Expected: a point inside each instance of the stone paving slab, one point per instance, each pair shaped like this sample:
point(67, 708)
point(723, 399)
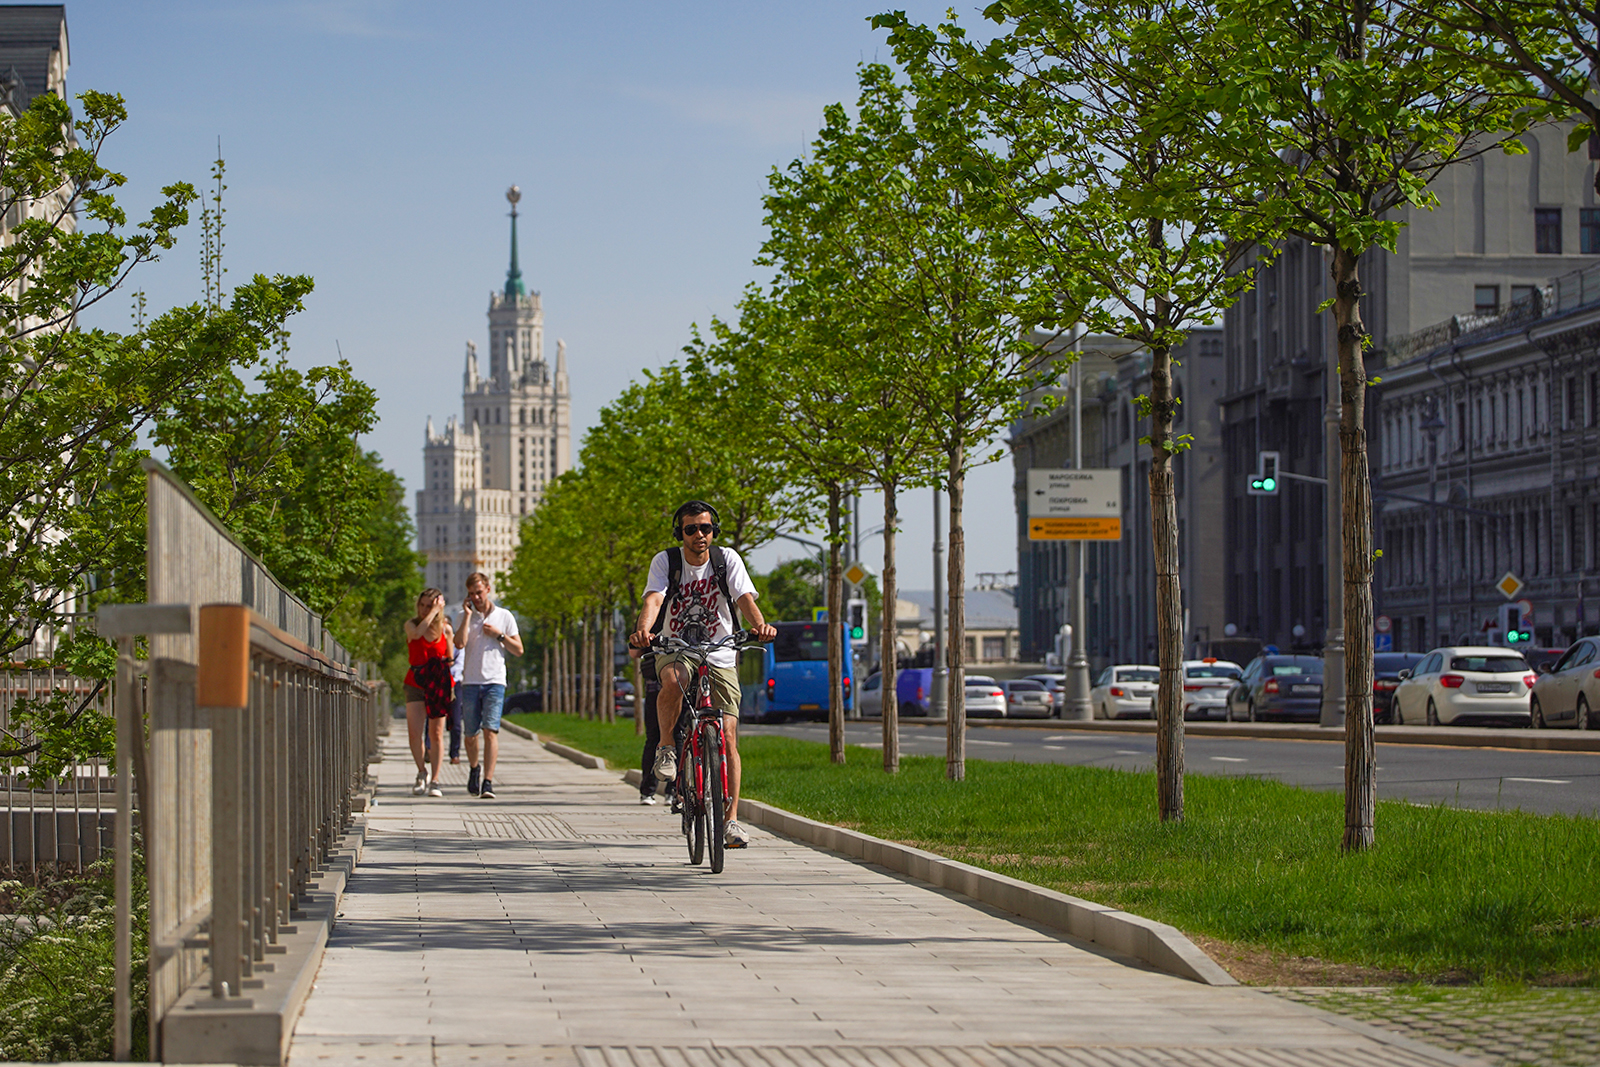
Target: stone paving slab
point(1510, 1027)
point(561, 923)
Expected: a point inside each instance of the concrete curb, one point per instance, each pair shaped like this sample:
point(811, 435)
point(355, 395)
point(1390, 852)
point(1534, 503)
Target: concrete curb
point(1161, 946)
point(582, 759)
point(1447, 736)
point(256, 1028)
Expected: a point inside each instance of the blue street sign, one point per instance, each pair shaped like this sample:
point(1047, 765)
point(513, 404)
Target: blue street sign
point(1383, 642)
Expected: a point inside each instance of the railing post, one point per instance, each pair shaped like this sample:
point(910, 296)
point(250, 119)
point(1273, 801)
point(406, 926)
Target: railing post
point(223, 687)
point(126, 711)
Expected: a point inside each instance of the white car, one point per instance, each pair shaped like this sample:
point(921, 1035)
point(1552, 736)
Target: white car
point(1568, 692)
point(985, 698)
point(1465, 684)
point(1206, 683)
point(1125, 691)
point(869, 698)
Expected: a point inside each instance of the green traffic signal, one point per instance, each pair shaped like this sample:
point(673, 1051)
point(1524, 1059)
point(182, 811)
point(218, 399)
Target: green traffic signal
point(1269, 484)
point(857, 633)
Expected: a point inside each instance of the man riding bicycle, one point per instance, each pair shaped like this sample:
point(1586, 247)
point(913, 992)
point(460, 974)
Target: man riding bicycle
point(697, 584)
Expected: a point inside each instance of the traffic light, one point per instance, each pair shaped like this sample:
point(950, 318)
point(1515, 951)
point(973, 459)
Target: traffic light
point(1512, 631)
point(1265, 480)
point(856, 613)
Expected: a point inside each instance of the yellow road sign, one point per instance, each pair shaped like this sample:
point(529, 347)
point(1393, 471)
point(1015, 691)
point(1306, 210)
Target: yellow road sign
point(1087, 529)
point(1509, 585)
point(855, 574)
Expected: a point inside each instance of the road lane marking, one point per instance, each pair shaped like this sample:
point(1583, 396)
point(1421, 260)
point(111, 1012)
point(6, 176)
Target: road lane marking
point(1129, 752)
point(1230, 759)
point(1542, 781)
point(979, 741)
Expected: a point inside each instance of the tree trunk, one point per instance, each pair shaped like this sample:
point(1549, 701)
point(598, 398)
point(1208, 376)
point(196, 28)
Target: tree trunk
point(955, 701)
point(835, 626)
point(886, 638)
point(544, 678)
point(1169, 593)
point(608, 699)
point(564, 670)
point(585, 666)
point(1355, 490)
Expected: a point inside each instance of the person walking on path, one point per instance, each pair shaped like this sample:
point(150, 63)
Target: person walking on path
point(697, 585)
point(485, 633)
point(429, 688)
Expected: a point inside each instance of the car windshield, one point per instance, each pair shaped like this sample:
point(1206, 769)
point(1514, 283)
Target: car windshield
point(1390, 662)
point(1295, 665)
point(1490, 664)
point(1137, 676)
point(1026, 687)
point(1211, 671)
point(979, 680)
point(801, 642)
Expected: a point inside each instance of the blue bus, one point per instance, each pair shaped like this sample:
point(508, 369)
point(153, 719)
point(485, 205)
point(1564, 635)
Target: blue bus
point(788, 679)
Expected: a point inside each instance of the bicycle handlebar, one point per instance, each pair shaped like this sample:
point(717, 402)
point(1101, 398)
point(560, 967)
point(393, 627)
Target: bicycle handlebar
point(737, 639)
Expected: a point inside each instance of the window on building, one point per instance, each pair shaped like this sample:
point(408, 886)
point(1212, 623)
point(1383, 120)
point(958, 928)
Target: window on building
point(1570, 416)
point(1589, 231)
point(1574, 539)
point(1485, 299)
point(1524, 294)
point(1461, 426)
point(1547, 231)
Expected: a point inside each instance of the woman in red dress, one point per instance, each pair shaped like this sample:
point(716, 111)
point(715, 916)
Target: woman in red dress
point(428, 685)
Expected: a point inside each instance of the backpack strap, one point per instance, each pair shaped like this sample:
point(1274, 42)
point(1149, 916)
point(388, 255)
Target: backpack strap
point(719, 567)
point(674, 579)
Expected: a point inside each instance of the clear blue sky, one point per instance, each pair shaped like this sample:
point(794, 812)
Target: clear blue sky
point(370, 143)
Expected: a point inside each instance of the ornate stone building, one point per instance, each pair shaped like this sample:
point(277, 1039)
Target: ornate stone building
point(489, 467)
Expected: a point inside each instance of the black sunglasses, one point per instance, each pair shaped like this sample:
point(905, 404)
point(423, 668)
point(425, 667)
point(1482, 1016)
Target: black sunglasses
point(702, 527)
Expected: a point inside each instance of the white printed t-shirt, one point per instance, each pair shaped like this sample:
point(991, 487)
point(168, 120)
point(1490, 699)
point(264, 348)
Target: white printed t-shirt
point(699, 602)
point(485, 662)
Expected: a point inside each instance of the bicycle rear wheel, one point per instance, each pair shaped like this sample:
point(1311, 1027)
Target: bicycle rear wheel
point(715, 801)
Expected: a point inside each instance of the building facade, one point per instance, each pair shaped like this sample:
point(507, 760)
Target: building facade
point(1497, 419)
point(1504, 225)
point(489, 468)
point(1119, 576)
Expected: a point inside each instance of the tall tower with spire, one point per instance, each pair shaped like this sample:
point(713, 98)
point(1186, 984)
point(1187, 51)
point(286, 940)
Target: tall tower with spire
point(487, 471)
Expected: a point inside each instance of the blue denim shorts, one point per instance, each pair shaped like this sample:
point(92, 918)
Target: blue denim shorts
point(480, 707)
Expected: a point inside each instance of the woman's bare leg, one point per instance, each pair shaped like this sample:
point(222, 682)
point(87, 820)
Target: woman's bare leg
point(436, 753)
point(416, 721)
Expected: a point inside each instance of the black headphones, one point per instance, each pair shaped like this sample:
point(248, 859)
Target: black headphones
point(694, 507)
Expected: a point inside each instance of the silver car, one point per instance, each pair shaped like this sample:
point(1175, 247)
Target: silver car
point(1206, 683)
point(1568, 691)
point(1026, 699)
point(1055, 685)
point(985, 699)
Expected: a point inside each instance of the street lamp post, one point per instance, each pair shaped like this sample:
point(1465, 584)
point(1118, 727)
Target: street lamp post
point(1431, 425)
point(1077, 705)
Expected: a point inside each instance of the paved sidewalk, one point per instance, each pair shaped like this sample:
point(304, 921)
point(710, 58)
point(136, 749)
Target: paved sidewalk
point(561, 923)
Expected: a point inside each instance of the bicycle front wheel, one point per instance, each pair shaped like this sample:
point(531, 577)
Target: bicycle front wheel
point(715, 801)
point(694, 802)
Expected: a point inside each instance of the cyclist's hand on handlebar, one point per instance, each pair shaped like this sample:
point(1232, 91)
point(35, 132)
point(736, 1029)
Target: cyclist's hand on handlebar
point(639, 639)
point(763, 633)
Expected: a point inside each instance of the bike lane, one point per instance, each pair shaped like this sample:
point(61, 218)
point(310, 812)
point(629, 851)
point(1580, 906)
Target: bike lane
point(561, 923)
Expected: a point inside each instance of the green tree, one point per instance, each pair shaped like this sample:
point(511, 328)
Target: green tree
point(1349, 110)
point(792, 588)
point(1143, 235)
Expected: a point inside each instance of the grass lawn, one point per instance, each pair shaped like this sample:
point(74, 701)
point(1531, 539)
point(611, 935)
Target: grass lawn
point(1447, 895)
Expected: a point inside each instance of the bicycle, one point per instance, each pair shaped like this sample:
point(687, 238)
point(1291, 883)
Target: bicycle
point(703, 751)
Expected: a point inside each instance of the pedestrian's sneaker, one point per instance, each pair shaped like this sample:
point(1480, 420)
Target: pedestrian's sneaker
point(666, 762)
point(472, 780)
point(734, 836)
point(434, 790)
point(677, 804)
point(420, 786)
point(487, 791)
point(647, 798)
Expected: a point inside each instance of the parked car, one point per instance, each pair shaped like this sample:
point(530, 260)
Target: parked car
point(1541, 657)
point(914, 688)
point(1568, 691)
point(622, 696)
point(528, 700)
point(985, 699)
point(1026, 698)
point(1124, 691)
point(1056, 686)
point(1386, 668)
point(869, 698)
point(1205, 687)
point(1465, 684)
point(1278, 686)
point(789, 677)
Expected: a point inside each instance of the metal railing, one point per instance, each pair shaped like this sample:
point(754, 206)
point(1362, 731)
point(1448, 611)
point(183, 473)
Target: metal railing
point(62, 821)
point(248, 743)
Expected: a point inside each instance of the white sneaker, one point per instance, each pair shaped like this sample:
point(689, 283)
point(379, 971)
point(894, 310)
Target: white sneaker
point(647, 798)
point(434, 790)
point(666, 762)
point(734, 836)
point(421, 786)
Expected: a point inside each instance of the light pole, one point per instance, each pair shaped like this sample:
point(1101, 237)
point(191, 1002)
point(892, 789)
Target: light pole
point(1431, 425)
point(1077, 706)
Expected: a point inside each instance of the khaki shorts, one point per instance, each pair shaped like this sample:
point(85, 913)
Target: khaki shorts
point(724, 680)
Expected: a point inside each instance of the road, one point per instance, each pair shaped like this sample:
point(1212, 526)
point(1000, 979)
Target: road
point(1485, 778)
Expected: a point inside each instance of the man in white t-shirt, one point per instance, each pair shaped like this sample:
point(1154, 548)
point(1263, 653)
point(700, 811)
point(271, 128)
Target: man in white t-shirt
point(698, 610)
point(484, 633)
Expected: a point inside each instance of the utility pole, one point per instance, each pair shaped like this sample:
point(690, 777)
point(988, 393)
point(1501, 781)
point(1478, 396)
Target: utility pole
point(939, 672)
point(1431, 425)
point(1077, 705)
